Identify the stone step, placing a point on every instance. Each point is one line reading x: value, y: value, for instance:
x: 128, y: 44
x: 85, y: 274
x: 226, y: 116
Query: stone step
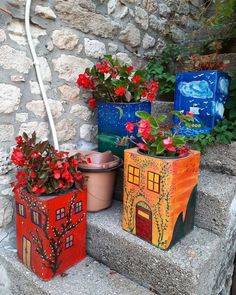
x: 191, y: 267
x: 216, y: 193
x: 88, y: 277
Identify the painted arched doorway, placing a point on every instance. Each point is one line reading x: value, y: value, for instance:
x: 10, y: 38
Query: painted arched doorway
x: 144, y: 221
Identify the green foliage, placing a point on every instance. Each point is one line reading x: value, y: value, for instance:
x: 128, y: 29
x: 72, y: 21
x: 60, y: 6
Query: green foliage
x: 159, y: 69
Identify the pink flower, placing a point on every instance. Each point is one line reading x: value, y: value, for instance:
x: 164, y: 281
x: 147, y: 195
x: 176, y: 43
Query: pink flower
x: 130, y: 127
x: 57, y: 174
x: 142, y: 146
x: 167, y: 141
x: 144, y: 128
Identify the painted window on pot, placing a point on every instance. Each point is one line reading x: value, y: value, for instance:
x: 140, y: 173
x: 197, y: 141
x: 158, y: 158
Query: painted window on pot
x: 133, y: 174
x: 69, y: 241
x: 78, y: 207
x: 153, y: 182
x: 60, y: 213
x: 36, y: 217
x: 20, y: 209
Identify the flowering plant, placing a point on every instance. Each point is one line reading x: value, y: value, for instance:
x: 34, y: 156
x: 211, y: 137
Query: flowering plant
x: 43, y: 169
x: 158, y: 139
x: 111, y: 81
x: 207, y: 62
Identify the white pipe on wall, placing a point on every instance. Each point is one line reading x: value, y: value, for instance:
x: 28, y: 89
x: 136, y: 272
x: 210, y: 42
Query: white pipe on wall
x: 38, y: 73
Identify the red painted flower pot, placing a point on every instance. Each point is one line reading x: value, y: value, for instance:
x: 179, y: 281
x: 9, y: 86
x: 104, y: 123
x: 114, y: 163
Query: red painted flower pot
x: 51, y: 231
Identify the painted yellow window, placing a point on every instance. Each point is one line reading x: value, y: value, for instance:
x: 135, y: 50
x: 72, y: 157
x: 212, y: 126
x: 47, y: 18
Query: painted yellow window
x: 21, y: 210
x: 153, y: 182
x: 69, y: 241
x: 133, y: 175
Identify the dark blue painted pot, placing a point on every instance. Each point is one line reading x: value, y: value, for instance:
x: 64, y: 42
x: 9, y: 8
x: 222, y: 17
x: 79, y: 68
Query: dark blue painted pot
x: 112, y: 118
x: 204, y: 94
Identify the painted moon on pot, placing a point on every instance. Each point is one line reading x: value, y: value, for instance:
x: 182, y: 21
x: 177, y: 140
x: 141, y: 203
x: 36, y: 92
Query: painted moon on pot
x: 195, y: 89
x: 120, y: 111
x: 219, y: 109
x: 223, y: 85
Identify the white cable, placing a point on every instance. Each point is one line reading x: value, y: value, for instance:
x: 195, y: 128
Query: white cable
x: 38, y: 73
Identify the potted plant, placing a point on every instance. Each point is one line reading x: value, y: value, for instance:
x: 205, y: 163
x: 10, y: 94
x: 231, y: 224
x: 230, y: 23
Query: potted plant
x: 203, y: 90
x: 160, y: 182
x: 50, y: 202
x: 118, y: 91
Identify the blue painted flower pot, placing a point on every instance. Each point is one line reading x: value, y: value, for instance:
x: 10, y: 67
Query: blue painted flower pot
x: 203, y: 94
x: 112, y: 118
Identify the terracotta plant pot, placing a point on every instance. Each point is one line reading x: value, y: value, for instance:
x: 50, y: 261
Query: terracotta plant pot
x: 51, y: 231
x: 100, y: 171
x: 159, y: 196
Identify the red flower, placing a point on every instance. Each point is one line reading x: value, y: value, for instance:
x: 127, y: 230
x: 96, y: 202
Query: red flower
x: 67, y: 176
x: 84, y: 81
x: 171, y: 148
x: 183, y: 151
x: 34, y: 155
x: 21, y: 177
x: 129, y: 69
x: 38, y: 190
x: 190, y: 114
x: 160, y: 133
x: 130, y: 127
x: 151, y: 96
x: 74, y: 162
x: 78, y: 176
x: 119, y: 143
x: 103, y: 67
x: 33, y: 174
x: 19, y: 140
x: 92, y: 102
x: 144, y: 93
x: 120, y: 90
x: 142, y: 146
x: 136, y: 79
x: 57, y: 174
x: 17, y: 157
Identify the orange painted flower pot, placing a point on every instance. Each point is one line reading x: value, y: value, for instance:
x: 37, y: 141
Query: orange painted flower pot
x: 159, y: 196
x: 51, y: 231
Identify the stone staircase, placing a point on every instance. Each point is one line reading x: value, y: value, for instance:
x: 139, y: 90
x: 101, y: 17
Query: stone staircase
x: 200, y: 264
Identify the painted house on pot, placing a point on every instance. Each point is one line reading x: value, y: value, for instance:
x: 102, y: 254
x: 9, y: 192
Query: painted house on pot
x: 51, y: 232
x: 159, y: 196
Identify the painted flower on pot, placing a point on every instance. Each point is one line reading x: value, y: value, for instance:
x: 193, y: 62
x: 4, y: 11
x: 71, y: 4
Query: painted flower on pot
x: 110, y: 81
x: 157, y: 138
x: 43, y: 169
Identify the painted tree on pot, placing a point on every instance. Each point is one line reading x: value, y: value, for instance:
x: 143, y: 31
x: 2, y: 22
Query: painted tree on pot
x: 50, y: 201
x: 162, y: 176
x: 118, y: 91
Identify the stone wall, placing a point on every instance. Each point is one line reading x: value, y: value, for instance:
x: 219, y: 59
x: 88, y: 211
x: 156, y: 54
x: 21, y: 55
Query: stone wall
x: 69, y: 36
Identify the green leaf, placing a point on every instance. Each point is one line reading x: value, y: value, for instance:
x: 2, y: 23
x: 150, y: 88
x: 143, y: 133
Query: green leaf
x: 179, y: 140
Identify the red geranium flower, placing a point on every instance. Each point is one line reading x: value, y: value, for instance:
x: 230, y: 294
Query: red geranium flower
x: 136, y: 79
x: 33, y: 174
x: 84, y: 81
x: 38, y: 190
x: 129, y: 69
x: 144, y: 93
x: 17, y: 157
x: 19, y: 139
x: 92, y: 102
x: 103, y: 67
x: 151, y: 96
x: 130, y: 127
x: 120, y: 91
x: 144, y: 128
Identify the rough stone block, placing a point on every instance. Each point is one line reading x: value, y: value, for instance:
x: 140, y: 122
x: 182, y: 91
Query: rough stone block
x: 180, y: 271
x: 220, y: 158
x: 86, y: 278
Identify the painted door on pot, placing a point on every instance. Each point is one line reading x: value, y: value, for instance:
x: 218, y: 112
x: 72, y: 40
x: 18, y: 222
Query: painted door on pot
x: 144, y: 221
x: 26, y: 255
